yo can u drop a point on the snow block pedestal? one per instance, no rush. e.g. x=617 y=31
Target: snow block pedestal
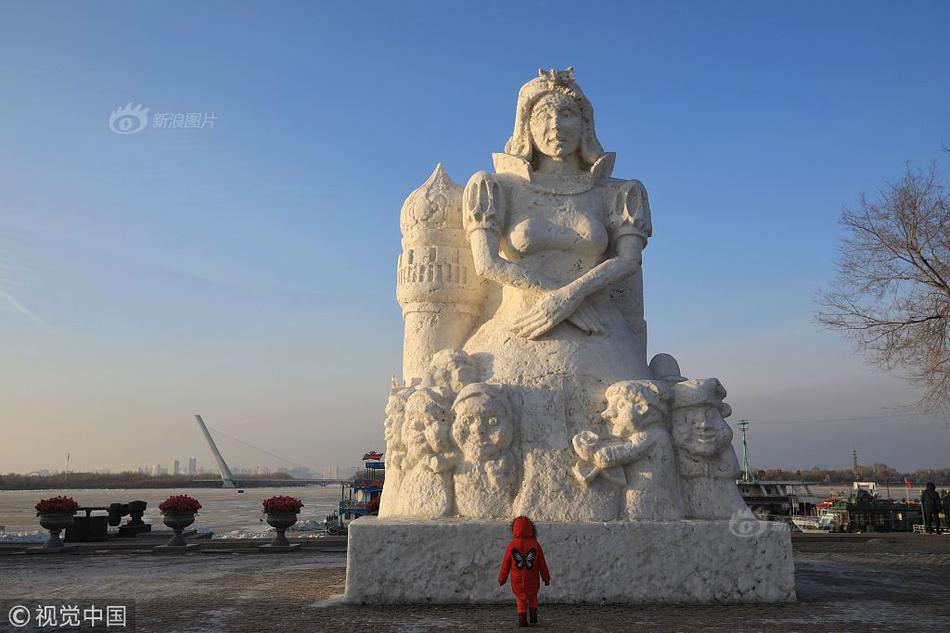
x=457 y=561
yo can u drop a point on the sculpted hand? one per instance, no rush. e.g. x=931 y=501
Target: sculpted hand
x=439 y=463
x=603 y=457
x=585 y=443
x=551 y=309
x=585 y=318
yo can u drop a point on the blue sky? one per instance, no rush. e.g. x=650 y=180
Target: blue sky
x=246 y=271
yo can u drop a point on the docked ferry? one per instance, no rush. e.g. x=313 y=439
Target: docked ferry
x=864 y=510
x=778 y=499
x=360 y=496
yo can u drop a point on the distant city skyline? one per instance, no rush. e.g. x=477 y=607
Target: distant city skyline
x=236 y=257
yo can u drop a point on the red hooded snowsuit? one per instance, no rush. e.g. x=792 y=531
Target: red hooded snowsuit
x=524 y=559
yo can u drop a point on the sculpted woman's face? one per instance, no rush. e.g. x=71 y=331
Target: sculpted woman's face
x=556 y=125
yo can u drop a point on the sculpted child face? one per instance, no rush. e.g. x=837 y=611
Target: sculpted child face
x=482 y=429
x=630 y=411
x=453 y=371
x=460 y=373
x=556 y=125
x=701 y=430
x=423 y=431
x=392 y=427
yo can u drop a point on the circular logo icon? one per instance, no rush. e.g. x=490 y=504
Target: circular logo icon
x=19 y=616
x=744 y=525
x=128 y=119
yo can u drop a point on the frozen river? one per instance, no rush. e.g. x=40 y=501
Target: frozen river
x=223 y=511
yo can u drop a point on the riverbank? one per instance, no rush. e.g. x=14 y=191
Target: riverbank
x=128 y=481
x=845 y=583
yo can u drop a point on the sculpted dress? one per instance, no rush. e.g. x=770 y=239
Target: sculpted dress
x=560 y=228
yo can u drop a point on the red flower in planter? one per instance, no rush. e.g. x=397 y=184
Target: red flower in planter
x=179 y=503
x=282 y=504
x=57 y=505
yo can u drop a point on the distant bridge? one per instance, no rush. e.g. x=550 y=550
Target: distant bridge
x=228 y=480
x=273 y=483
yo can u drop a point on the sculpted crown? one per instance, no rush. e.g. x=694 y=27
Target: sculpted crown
x=555 y=77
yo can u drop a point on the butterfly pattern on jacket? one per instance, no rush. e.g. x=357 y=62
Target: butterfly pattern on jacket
x=524 y=561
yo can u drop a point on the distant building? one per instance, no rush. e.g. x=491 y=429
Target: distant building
x=192 y=466
x=176 y=468
x=158 y=470
x=301 y=472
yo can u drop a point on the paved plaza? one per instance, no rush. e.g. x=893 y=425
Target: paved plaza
x=894 y=584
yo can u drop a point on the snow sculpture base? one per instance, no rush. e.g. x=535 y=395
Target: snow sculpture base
x=457 y=561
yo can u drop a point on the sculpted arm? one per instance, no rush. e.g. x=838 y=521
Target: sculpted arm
x=626 y=262
x=619 y=453
x=490 y=265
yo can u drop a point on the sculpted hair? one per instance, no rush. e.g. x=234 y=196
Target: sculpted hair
x=653 y=393
x=494 y=394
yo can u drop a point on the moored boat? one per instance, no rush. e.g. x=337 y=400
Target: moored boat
x=360 y=496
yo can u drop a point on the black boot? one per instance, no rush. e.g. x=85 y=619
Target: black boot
x=522 y=619
x=534 y=616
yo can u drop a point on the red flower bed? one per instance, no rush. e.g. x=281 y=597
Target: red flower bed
x=179 y=503
x=282 y=504
x=57 y=505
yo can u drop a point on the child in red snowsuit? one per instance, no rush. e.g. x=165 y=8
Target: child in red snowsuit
x=525 y=553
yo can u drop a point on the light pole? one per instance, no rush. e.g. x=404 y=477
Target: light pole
x=746 y=466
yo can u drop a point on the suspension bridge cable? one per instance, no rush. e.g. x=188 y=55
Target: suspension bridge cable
x=257 y=448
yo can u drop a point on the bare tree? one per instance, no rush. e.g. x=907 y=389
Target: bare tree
x=892 y=293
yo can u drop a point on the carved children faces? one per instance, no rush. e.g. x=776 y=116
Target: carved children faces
x=392 y=427
x=425 y=430
x=452 y=369
x=483 y=425
x=699 y=425
x=701 y=430
x=634 y=405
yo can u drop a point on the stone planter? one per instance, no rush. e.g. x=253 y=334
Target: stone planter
x=178 y=521
x=280 y=521
x=56 y=522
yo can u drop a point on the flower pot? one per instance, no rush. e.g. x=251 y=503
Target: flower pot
x=55 y=522
x=178 y=521
x=280 y=521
